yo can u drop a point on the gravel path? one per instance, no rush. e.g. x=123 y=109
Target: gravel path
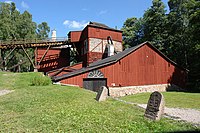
x=188 y=115
x=4 y=92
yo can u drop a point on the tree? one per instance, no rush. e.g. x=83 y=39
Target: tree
x=155 y=24
x=176 y=34
x=183 y=39
x=132 y=32
x=26 y=27
x=5 y=23
x=178 y=40
x=17 y=26
x=43 y=30
x=194 y=51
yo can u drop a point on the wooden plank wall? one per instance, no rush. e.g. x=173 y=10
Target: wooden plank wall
x=94 y=32
x=74 y=36
x=54 y=59
x=142 y=67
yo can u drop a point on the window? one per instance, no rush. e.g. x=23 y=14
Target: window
x=85 y=47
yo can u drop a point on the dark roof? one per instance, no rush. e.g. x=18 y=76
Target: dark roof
x=111 y=60
x=99 y=63
x=115 y=57
x=100 y=25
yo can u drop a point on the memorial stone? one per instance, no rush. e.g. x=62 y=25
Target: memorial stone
x=155 y=106
x=102 y=94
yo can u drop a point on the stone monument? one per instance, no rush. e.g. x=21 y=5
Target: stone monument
x=102 y=94
x=155 y=106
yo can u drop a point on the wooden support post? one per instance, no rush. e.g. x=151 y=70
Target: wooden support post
x=36 y=56
x=44 y=54
x=28 y=56
x=16 y=65
x=5 y=58
x=1 y=64
x=74 y=46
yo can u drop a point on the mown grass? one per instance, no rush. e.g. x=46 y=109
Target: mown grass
x=172 y=99
x=55 y=108
x=7 y=80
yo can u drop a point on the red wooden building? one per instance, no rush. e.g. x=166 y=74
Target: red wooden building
x=137 y=66
x=102 y=61
x=87 y=46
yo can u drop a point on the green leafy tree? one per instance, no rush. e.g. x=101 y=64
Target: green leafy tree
x=194 y=49
x=132 y=32
x=43 y=30
x=5 y=23
x=178 y=40
x=154 y=24
x=176 y=34
x=26 y=27
x=16 y=26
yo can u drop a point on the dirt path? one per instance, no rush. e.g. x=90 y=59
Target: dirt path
x=4 y=92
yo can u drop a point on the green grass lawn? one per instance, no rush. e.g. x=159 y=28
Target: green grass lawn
x=55 y=108
x=172 y=99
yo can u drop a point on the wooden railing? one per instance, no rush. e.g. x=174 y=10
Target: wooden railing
x=34 y=42
x=31 y=40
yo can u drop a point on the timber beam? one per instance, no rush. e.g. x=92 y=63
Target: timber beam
x=29 y=58
x=32 y=45
x=7 y=56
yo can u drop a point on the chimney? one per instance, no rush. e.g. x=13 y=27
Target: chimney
x=53 y=35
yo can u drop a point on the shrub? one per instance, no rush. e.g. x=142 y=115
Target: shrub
x=40 y=80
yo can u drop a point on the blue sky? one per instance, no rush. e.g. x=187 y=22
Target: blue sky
x=70 y=15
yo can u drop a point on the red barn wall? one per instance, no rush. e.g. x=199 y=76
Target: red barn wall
x=65 y=70
x=142 y=67
x=74 y=36
x=95 y=32
x=54 y=59
x=99 y=33
x=69 y=69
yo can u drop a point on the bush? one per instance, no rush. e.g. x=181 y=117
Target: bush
x=40 y=80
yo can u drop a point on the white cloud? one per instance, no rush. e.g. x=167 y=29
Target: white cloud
x=24 y=5
x=8 y=1
x=74 y=24
x=103 y=12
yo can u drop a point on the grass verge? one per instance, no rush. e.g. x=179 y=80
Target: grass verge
x=55 y=108
x=172 y=99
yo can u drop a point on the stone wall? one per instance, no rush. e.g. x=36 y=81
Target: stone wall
x=93 y=42
x=129 y=90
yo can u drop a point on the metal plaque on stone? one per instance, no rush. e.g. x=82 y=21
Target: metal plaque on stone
x=155 y=106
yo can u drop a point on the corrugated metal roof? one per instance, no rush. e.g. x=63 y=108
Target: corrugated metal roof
x=111 y=60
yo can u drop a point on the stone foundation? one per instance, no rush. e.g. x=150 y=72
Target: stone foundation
x=129 y=90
